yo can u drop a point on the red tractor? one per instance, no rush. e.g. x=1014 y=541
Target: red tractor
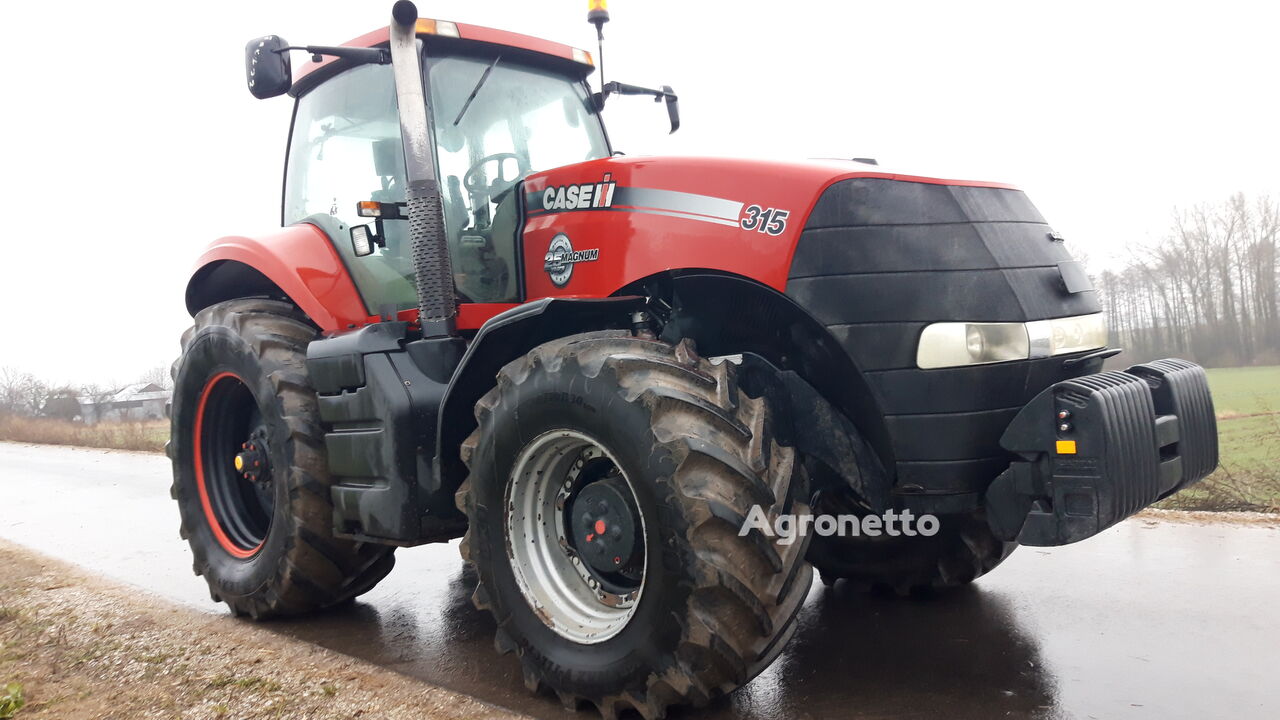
x=621 y=379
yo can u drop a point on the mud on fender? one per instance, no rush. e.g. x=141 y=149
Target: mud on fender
x=1096 y=449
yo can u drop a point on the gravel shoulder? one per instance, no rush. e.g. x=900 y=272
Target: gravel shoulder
x=85 y=648
x=1205 y=517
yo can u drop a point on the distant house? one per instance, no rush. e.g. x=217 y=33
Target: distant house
x=140 y=401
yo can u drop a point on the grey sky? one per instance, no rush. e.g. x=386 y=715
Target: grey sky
x=130 y=141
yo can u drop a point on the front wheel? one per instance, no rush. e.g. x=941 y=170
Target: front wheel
x=249 y=468
x=963 y=550
x=610 y=477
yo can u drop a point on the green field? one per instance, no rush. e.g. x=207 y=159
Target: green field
x=1247 y=401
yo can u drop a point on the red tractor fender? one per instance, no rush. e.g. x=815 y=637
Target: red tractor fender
x=297 y=261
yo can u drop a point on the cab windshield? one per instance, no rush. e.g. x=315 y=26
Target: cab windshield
x=520 y=119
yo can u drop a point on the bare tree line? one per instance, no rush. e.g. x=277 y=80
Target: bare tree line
x=1207 y=291
x=23 y=394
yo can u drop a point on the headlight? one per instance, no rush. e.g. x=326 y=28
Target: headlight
x=954 y=344
x=1067 y=335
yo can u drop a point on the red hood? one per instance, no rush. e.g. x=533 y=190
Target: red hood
x=649 y=214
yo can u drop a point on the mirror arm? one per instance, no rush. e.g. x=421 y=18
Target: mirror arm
x=377 y=56
x=618 y=88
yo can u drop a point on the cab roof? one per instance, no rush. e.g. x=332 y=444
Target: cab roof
x=446 y=31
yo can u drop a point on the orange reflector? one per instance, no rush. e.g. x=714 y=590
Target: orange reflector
x=239 y=463
x=1066 y=447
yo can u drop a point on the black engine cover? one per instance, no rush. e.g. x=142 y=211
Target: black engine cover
x=880 y=259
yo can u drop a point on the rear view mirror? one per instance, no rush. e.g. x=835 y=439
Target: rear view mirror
x=673 y=107
x=617 y=88
x=266 y=66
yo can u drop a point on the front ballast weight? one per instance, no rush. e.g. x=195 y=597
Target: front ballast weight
x=1099 y=448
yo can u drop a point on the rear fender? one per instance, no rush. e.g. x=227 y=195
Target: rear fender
x=297 y=262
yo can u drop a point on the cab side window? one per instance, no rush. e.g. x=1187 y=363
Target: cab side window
x=346 y=148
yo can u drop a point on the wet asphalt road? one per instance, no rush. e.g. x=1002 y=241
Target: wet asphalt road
x=1148 y=620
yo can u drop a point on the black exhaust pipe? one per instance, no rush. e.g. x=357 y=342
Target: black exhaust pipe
x=433 y=271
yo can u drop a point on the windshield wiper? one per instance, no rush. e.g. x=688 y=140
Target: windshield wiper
x=479 y=84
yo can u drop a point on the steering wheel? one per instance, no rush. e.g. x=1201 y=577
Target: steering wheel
x=475 y=180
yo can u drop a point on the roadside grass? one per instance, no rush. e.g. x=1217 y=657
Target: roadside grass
x=148 y=436
x=11 y=701
x=1247 y=402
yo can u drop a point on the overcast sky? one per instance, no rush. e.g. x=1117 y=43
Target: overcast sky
x=130 y=141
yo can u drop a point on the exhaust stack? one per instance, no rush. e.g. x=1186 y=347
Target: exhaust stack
x=432 y=269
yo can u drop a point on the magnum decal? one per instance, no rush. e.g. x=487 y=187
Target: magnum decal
x=561 y=257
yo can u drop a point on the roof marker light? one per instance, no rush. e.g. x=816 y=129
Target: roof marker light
x=443 y=28
x=584 y=57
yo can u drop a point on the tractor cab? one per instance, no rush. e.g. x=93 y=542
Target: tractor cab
x=499 y=106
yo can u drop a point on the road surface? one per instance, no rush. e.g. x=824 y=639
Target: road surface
x=1147 y=620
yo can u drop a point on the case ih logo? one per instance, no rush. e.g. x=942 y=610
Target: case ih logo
x=580 y=197
x=561 y=258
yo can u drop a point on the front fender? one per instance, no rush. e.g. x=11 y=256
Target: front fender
x=299 y=260
x=504 y=338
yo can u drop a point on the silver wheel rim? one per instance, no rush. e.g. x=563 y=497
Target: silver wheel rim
x=552 y=577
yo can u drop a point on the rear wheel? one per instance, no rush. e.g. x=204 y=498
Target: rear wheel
x=610 y=476
x=249 y=467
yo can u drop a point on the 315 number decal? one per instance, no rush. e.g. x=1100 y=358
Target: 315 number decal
x=765 y=220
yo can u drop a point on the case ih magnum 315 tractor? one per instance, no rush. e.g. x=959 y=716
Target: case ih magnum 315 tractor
x=479 y=322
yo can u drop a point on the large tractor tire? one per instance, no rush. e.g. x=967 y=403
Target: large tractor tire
x=963 y=550
x=610 y=476
x=249 y=468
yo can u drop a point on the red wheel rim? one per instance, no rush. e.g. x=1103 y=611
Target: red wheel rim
x=247 y=541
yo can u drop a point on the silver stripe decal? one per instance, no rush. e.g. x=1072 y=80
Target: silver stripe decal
x=679 y=202
x=668 y=213
x=673 y=202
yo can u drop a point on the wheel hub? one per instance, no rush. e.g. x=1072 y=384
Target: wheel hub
x=254 y=459
x=604 y=525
